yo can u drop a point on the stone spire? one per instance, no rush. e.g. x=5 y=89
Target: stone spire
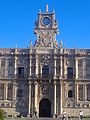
x=47 y=8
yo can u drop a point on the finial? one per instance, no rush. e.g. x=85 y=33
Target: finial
x=47 y=8
x=61 y=43
x=30 y=43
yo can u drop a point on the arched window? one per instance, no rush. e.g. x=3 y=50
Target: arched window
x=70 y=94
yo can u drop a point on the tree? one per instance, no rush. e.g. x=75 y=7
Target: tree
x=1 y=114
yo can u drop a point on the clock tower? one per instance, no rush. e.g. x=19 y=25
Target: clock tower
x=46 y=28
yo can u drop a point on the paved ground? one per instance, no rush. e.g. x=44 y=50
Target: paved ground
x=43 y=119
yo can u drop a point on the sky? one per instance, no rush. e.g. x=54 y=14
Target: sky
x=17 y=18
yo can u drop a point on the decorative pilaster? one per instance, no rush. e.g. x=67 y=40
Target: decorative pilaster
x=85 y=92
x=76 y=68
x=55 y=67
x=55 y=97
x=41 y=70
x=36 y=94
x=16 y=65
x=29 y=109
x=14 y=93
x=65 y=69
x=61 y=67
x=30 y=72
x=36 y=65
x=76 y=94
x=77 y=91
x=5 y=91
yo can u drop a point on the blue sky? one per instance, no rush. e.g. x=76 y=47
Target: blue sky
x=17 y=19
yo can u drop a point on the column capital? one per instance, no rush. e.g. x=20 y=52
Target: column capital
x=55 y=82
x=29 y=83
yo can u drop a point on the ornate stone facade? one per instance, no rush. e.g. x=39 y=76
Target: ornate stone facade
x=45 y=77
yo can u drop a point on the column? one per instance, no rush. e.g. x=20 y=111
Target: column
x=29 y=110
x=36 y=65
x=30 y=65
x=61 y=67
x=41 y=70
x=14 y=91
x=55 y=97
x=5 y=91
x=65 y=69
x=15 y=65
x=76 y=68
x=60 y=97
x=76 y=94
x=55 y=67
x=85 y=92
x=36 y=94
x=77 y=91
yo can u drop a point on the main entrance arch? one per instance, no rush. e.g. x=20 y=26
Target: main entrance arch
x=45 y=108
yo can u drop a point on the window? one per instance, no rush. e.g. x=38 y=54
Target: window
x=45 y=70
x=80 y=92
x=21 y=71
x=88 y=92
x=69 y=72
x=70 y=94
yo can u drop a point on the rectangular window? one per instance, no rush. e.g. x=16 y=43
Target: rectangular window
x=70 y=72
x=21 y=71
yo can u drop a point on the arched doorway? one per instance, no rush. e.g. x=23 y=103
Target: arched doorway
x=45 y=108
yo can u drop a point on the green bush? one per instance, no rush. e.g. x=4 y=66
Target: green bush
x=1 y=114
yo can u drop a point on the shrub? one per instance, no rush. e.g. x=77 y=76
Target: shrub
x=1 y=114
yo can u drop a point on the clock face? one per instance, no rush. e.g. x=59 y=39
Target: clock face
x=46 y=21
